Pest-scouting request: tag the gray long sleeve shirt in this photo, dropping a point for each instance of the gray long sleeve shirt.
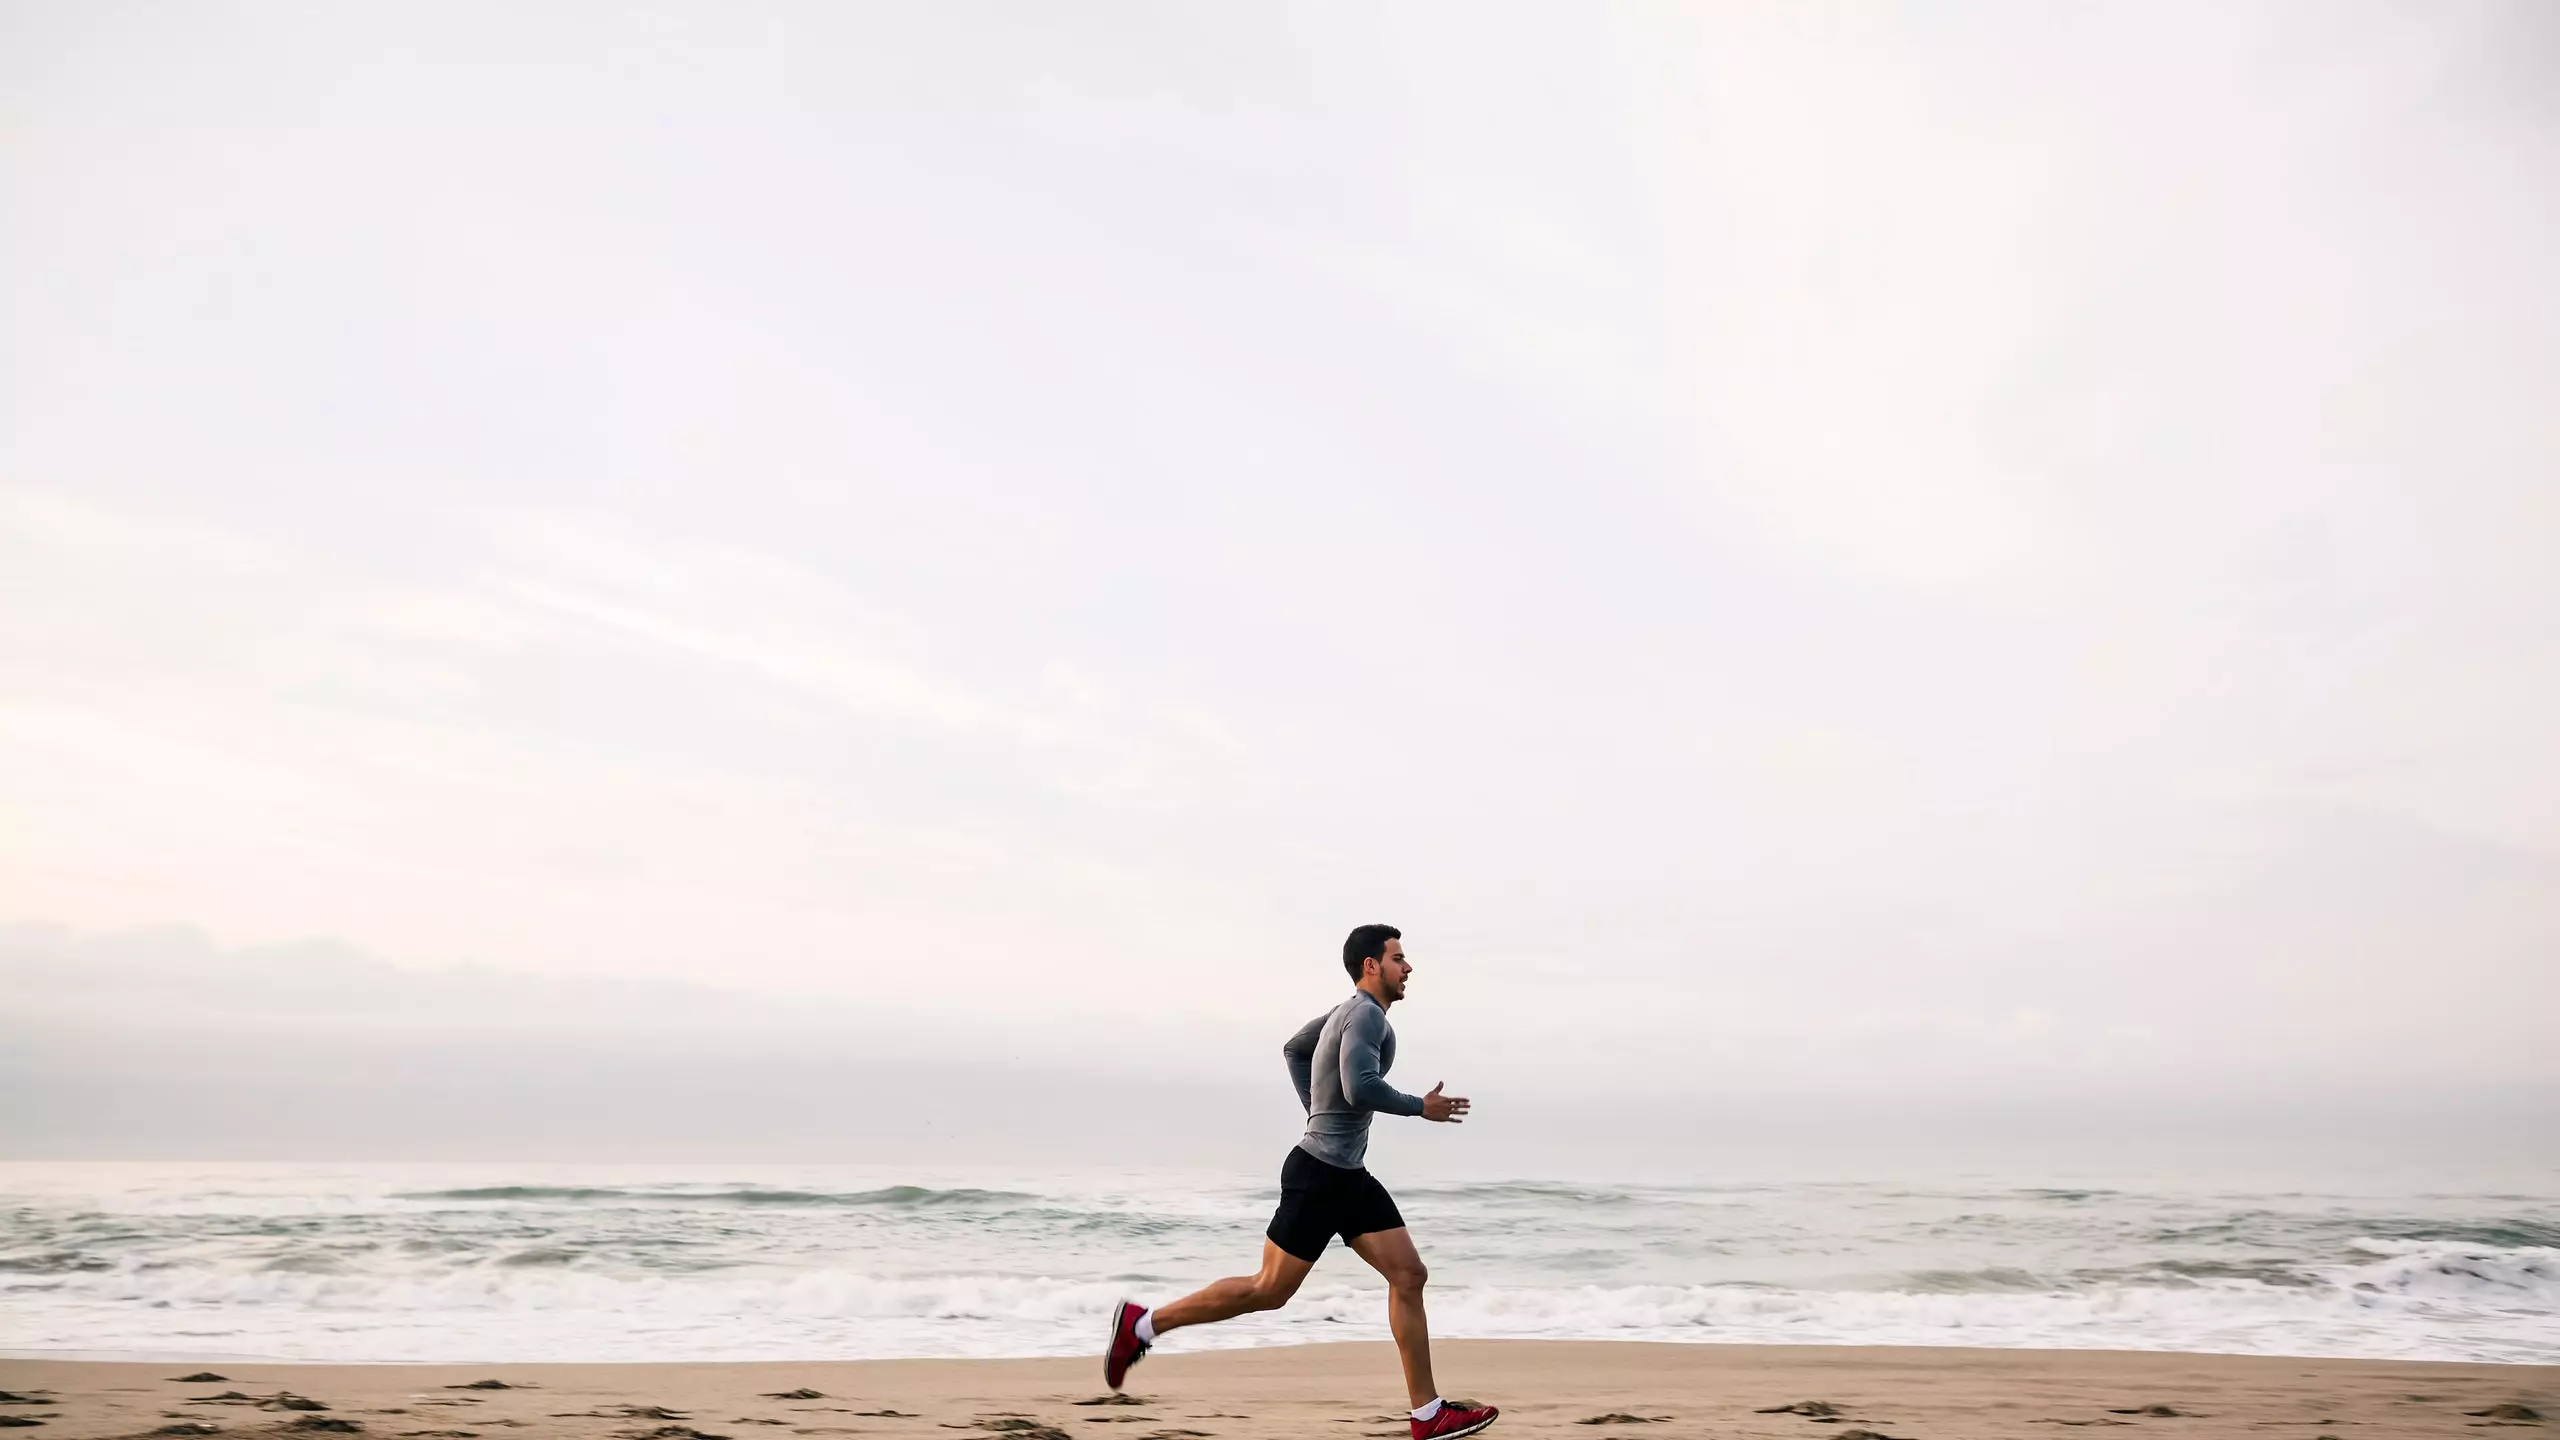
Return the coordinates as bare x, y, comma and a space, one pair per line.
1340, 1061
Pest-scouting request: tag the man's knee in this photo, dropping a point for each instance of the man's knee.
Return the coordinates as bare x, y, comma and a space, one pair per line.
1270, 1292
1408, 1277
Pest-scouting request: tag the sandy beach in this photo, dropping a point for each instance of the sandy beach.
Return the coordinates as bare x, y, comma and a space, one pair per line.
1546, 1388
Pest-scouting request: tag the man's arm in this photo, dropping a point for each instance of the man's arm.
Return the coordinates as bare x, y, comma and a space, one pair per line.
1300, 1052
1362, 1084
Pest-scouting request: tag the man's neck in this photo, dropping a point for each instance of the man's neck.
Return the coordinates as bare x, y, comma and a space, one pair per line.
1375, 992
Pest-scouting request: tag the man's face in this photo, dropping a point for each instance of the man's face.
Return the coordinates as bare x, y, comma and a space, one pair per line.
1392, 970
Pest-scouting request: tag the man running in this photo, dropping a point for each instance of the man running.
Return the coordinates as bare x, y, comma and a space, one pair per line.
1339, 1060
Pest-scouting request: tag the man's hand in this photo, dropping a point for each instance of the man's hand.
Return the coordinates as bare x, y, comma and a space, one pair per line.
1451, 1108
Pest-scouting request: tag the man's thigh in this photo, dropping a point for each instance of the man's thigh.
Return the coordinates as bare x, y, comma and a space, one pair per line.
1390, 1253
1282, 1272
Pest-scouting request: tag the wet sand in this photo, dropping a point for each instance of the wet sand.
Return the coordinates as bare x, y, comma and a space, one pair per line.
1545, 1388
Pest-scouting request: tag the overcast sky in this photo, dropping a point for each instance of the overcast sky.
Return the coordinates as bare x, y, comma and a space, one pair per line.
1983, 549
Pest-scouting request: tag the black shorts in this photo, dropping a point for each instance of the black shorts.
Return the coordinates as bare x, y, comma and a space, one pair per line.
1319, 1201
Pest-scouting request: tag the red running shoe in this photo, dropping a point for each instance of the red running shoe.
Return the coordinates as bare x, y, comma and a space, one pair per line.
1455, 1420
1126, 1348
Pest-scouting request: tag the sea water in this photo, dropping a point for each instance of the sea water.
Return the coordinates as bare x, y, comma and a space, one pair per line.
489, 1263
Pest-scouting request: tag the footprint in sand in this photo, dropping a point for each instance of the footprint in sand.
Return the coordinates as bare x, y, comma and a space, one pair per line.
1811, 1409
1621, 1417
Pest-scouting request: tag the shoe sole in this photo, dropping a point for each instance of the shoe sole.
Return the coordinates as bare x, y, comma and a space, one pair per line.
1470, 1430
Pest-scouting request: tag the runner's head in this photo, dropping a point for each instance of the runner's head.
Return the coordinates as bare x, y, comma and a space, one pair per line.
1374, 954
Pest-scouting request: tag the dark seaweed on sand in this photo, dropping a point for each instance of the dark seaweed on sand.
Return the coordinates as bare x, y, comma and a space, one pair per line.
1021, 1426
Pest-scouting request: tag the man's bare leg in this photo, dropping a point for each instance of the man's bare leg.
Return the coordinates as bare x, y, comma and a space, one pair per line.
1243, 1294
1391, 1254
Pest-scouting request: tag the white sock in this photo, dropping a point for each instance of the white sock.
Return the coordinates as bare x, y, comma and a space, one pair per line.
1427, 1411
1147, 1328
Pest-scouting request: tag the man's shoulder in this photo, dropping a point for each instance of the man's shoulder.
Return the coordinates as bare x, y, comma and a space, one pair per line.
1361, 1013
1341, 1014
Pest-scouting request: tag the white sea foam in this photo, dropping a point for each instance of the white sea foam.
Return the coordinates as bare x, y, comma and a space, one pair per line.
2523, 1276
388, 1265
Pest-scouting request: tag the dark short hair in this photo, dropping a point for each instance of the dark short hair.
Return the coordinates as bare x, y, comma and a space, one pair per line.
1367, 943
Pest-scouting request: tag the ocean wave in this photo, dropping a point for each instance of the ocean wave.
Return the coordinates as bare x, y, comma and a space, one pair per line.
1994, 1279
545, 1278
744, 1263
2504, 1233
1526, 1192
909, 1196
2283, 1273
2519, 1275
567, 1313
54, 1262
